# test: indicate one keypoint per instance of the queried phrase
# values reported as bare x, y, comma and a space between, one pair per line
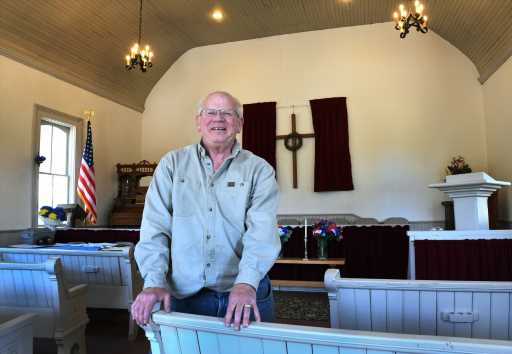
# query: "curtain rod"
292, 106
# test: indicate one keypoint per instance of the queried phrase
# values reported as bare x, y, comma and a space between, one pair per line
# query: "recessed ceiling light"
217, 15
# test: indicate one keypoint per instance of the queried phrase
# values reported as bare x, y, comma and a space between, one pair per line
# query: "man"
211, 207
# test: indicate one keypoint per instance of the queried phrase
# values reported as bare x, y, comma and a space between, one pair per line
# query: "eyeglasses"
224, 113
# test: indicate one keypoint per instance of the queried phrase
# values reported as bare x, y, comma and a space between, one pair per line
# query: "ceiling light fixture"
217, 15
139, 56
405, 20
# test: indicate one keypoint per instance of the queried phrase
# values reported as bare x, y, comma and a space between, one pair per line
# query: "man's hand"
241, 300
143, 304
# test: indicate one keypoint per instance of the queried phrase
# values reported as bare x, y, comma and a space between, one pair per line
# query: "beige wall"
116, 137
498, 113
413, 104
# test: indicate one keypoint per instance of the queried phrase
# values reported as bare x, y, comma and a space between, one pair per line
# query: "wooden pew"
177, 333
16, 334
40, 289
442, 308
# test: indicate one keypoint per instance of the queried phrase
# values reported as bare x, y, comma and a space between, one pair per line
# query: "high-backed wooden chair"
41, 289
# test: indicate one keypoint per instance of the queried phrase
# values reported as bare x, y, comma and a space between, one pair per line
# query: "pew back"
177, 333
40, 288
16, 334
442, 308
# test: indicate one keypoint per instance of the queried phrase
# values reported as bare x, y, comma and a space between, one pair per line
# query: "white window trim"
76, 138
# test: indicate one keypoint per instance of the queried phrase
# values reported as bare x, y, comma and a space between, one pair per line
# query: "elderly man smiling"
211, 207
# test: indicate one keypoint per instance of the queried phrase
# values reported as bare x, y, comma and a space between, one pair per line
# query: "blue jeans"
212, 303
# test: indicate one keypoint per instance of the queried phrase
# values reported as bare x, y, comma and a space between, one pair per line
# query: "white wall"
498, 113
413, 104
116, 137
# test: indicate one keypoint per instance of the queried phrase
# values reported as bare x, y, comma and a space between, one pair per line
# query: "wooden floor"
107, 331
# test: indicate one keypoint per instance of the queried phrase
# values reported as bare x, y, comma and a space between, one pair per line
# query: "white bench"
178, 333
40, 289
111, 276
16, 335
442, 308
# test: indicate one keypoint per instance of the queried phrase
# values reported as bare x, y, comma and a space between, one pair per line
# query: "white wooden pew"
442, 308
40, 289
177, 333
16, 334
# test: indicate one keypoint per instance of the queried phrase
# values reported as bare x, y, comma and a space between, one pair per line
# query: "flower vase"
51, 224
321, 243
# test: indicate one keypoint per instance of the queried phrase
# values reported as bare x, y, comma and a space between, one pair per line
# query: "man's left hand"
242, 300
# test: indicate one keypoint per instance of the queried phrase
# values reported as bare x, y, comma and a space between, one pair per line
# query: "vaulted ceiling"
84, 42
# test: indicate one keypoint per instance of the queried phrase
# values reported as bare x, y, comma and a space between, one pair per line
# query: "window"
59, 138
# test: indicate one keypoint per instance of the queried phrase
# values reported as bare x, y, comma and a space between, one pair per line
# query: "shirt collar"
234, 150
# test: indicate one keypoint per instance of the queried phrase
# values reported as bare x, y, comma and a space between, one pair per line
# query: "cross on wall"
293, 142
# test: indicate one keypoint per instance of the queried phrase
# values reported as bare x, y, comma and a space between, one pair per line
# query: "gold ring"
248, 306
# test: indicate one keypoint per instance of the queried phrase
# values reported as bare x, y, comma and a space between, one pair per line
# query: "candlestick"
305, 239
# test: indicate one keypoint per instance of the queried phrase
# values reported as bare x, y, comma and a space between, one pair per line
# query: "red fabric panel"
259, 131
333, 169
96, 236
478, 260
376, 252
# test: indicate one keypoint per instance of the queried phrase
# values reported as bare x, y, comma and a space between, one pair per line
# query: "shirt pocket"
185, 197
237, 195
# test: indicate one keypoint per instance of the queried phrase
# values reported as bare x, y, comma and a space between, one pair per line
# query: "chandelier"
139, 56
405, 20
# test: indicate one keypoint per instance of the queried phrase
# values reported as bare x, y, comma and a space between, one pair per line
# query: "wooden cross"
293, 142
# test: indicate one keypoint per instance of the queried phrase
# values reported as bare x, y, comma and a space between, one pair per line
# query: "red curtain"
376, 252
333, 170
478, 260
259, 131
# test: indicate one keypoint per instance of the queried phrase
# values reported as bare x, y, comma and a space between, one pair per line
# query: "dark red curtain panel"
478, 260
259, 131
376, 252
333, 170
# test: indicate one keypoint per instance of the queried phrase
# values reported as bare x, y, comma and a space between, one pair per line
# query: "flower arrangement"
457, 166
327, 230
284, 233
52, 216
324, 231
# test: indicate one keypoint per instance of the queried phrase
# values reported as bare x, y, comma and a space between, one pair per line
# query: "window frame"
76, 138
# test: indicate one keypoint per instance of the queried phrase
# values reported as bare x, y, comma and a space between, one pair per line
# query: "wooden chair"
40, 289
178, 333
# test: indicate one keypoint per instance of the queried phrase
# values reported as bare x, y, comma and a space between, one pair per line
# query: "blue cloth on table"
75, 247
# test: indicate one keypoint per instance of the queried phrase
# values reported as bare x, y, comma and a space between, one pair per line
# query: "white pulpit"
470, 192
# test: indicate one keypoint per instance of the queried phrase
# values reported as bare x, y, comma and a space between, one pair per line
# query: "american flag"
87, 182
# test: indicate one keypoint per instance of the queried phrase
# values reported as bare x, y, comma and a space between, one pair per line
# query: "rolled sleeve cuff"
249, 276
155, 281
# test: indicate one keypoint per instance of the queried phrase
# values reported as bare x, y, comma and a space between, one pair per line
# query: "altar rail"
177, 333
442, 308
461, 255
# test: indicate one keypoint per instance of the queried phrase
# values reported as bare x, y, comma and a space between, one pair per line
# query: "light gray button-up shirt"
220, 227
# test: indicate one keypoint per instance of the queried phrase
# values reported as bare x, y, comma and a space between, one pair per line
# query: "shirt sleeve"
261, 243
152, 250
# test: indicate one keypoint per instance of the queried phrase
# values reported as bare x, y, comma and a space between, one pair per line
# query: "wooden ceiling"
84, 42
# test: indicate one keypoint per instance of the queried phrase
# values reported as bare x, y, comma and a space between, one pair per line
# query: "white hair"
238, 106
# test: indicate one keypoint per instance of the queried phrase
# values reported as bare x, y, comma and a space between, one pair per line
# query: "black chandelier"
139, 56
405, 20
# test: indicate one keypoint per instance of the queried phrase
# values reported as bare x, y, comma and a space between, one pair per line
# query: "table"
309, 285
111, 275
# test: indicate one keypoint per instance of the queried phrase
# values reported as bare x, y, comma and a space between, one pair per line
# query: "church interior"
411, 183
